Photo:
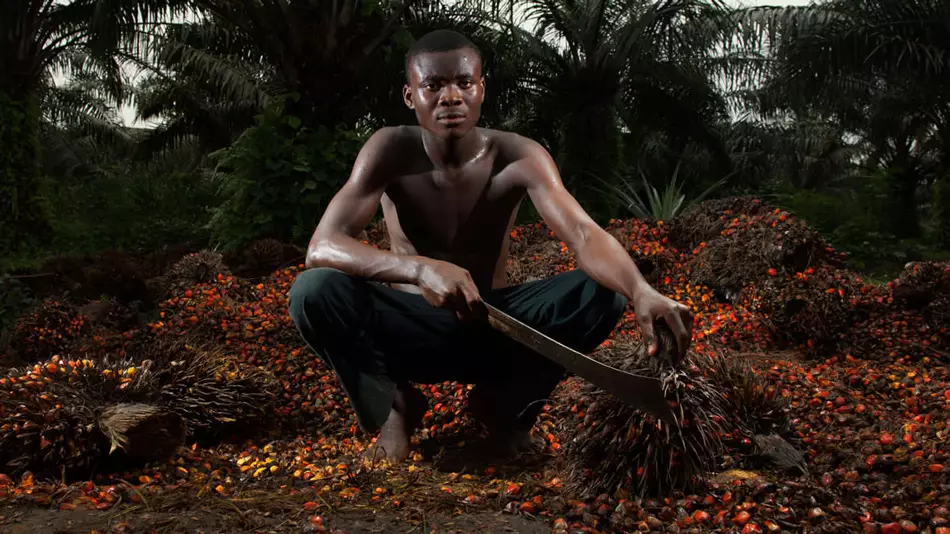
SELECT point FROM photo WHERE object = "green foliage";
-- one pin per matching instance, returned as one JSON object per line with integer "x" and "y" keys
{"x": 663, "y": 206}
{"x": 23, "y": 213}
{"x": 855, "y": 217}
{"x": 131, "y": 207}
{"x": 278, "y": 177}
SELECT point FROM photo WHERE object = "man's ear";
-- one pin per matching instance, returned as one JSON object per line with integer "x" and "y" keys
{"x": 407, "y": 96}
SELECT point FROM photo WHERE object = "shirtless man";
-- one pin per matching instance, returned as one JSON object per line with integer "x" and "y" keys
{"x": 449, "y": 193}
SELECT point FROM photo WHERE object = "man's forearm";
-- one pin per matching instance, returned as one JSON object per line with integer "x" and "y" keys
{"x": 357, "y": 259}
{"x": 604, "y": 259}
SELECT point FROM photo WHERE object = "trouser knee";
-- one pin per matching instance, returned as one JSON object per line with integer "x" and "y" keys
{"x": 321, "y": 295}
{"x": 599, "y": 311}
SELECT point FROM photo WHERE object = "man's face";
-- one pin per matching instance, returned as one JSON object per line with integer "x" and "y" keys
{"x": 446, "y": 91}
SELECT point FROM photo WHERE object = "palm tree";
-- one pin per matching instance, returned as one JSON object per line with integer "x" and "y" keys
{"x": 39, "y": 38}
{"x": 329, "y": 56}
{"x": 602, "y": 71}
{"x": 880, "y": 68}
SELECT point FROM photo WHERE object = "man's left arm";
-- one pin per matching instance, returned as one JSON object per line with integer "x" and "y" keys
{"x": 598, "y": 254}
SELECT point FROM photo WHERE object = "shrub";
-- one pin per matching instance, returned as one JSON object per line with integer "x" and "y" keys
{"x": 277, "y": 178}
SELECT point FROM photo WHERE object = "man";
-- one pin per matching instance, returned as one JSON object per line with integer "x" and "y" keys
{"x": 449, "y": 193}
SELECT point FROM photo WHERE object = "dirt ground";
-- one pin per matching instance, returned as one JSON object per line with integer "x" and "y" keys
{"x": 135, "y": 520}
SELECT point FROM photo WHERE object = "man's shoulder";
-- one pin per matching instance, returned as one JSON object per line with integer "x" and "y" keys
{"x": 515, "y": 146}
{"x": 396, "y": 137}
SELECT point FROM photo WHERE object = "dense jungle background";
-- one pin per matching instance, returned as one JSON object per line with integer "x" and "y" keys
{"x": 164, "y": 162}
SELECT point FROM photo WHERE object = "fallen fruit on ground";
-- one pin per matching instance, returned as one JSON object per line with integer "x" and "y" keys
{"x": 811, "y": 400}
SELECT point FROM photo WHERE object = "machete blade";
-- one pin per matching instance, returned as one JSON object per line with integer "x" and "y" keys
{"x": 641, "y": 392}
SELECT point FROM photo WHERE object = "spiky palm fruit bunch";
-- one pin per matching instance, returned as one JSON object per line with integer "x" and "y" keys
{"x": 68, "y": 415}
{"x": 216, "y": 396}
{"x": 196, "y": 268}
{"x": 262, "y": 257}
{"x": 752, "y": 250}
{"x": 920, "y": 283}
{"x": 811, "y": 310}
{"x": 613, "y": 446}
{"x": 49, "y": 413}
{"x": 47, "y": 329}
{"x": 755, "y": 407}
{"x": 706, "y": 220}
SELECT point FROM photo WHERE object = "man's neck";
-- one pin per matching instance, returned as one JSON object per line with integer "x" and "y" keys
{"x": 453, "y": 152}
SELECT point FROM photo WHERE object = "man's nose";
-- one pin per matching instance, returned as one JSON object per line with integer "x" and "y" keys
{"x": 451, "y": 96}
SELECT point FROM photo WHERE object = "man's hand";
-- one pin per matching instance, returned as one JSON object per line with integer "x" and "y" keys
{"x": 445, "y": 285}
{"x": 650, "y": 305}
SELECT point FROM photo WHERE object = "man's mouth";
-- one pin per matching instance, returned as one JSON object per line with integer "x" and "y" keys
{"x": 451, "y": 118}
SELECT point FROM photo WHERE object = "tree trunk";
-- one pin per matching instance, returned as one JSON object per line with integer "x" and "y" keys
{"x": 590, "y": 149}
{"x": 23, "y": 217}
{"x": 941, "y": 211}
{"x": 904, "y": 222}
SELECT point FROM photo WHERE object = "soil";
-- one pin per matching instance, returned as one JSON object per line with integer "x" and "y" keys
{"x": 135, "y": 519}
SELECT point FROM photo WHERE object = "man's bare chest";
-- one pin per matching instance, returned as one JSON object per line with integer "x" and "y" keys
{"x": 441, "y": 211}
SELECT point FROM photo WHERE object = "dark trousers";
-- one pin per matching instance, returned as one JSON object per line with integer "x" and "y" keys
{"x": 376, "y": 337}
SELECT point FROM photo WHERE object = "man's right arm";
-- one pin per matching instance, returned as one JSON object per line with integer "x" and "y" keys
{"x": 334, "y": 242}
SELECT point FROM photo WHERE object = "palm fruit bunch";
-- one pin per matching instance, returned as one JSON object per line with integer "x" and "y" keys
{"x": 195, "y": 268}
{"x": 754, "y": 249}
{"x": 760, "y": 432}
{"x": 535, "y": 253}
{"x": 717, "y": 400}
{"x": 49, "y": 413}
{"x": 925, "y": 286}
{"x": 262, "y": 257}
{"x": 921, "y": 283}
{"x": 614, "y": 446}
{"x": 70, "y": 416}
{"x": 705, "y": 221}
{"x": 46, "y": 329}
{"x": 811, "y": 310}
{"x": 217, "y": 397}
{"x": 755, "y": 406}
{"x": 649, "y": 246}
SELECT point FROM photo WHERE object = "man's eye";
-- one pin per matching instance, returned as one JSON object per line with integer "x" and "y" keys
{"x": 465, "y": 84}
{"x": 432, "y": 86}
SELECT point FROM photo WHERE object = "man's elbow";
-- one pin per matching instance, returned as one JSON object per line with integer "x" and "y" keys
{"x": 319, "y": 252}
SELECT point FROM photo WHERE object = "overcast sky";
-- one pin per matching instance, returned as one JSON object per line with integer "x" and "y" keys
{"x": 128, "y": 114}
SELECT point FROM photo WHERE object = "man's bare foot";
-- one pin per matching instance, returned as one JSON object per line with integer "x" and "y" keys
{"x": 509, "y": 442}
{"x": 504, "y": 436}
{"x": 409, "y": 405}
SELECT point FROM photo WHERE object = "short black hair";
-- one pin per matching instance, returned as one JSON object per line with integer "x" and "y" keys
{"x": 439, "y": 41}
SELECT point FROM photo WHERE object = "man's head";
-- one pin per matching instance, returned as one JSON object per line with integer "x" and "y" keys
{"x": 444, "y": 83}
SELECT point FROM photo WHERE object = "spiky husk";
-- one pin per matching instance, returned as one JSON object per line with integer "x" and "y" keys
{"x": 47, "y": 329}
{"x": 920, "y": 283}
{"x": 217, "y": 397}
{"x": 52, "y": 414}
{"x": 705, "y": 221}
{"x": 811, "y": 311}
{"x": 49, "y": 413}
{"x": 262, "y": 257}
{"x": 109, "y": 316}
{"x": 196, "y": 268}
{"x": 617, "y": 447}
{"x": 754, "y": 406}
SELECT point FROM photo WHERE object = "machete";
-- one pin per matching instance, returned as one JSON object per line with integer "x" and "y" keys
{"x": 641, "y": 392}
